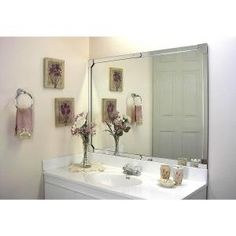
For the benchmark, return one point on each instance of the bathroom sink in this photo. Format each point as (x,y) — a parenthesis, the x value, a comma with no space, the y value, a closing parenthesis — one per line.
(113,180)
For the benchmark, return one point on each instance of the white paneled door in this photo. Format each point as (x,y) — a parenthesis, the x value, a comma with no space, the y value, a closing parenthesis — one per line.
(177,105)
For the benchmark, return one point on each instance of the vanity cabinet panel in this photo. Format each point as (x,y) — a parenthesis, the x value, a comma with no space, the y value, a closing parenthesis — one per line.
(57,192)
(57,188)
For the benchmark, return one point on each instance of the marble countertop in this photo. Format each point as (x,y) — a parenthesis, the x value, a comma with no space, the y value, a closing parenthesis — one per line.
(148,189)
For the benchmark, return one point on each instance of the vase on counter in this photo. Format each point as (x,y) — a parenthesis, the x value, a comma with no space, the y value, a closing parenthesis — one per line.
(85,163)
(85,130)
(116,152)
(117,126)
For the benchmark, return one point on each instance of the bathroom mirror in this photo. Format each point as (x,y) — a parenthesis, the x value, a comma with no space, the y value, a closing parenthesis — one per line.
(165,94)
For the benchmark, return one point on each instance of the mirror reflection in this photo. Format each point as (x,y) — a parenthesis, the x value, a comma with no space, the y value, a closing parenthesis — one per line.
(161,96)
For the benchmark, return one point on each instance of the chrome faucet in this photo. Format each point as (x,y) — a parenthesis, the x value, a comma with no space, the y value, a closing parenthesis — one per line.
(129,169)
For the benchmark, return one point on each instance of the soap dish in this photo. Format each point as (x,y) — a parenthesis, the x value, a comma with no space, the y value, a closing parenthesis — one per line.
(168,183)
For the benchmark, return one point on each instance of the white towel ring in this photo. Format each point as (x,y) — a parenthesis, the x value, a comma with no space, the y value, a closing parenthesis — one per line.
(19,92)
(134,95)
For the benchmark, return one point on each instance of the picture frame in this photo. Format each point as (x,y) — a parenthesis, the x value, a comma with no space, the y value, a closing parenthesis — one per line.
(54,73)
(64,112)
(116,79)
(109,105)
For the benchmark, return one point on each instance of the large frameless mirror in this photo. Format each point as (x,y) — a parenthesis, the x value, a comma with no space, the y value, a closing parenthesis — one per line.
(164,95)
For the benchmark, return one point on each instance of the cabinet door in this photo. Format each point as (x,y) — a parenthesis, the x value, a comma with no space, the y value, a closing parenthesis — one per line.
(56,192)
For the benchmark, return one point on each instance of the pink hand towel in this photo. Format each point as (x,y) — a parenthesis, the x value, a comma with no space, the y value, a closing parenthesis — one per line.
(24,122)
(138,114)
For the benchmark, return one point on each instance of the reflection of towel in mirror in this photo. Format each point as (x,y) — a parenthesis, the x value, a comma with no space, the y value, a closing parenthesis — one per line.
(24,122)
(137,116)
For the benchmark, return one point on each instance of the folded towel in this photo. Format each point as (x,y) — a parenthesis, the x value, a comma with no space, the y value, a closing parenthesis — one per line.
(24,122)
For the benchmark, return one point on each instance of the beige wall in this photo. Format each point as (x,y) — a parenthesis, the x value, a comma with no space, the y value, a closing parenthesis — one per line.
(222,97)
(21,61)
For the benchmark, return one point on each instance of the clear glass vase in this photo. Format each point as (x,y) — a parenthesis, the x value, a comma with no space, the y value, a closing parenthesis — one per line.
(116,152)
(85,163)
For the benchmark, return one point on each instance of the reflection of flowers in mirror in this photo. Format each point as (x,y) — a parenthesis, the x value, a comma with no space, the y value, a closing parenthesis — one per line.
(117,125)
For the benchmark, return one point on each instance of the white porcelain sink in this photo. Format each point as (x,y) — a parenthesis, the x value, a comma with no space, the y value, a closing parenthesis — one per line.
(113,180)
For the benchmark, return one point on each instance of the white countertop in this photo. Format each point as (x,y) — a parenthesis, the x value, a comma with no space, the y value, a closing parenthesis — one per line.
(148,189)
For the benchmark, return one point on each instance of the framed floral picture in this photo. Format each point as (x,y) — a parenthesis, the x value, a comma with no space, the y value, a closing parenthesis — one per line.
(108,107)
(64,111)
(54,70)
(116,79)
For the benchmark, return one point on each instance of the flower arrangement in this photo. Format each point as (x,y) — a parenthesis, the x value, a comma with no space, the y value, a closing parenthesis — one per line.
(117,126)
(84,129)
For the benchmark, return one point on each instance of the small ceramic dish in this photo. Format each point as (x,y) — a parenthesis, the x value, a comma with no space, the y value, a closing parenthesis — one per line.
(167,183)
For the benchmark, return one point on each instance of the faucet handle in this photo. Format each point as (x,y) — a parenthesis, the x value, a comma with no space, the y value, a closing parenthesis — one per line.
(138,168)
(126,166)
(132,170)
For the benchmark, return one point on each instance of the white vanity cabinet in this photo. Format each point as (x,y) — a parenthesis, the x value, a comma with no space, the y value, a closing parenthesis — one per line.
(53,191)
(57,188)
(60,183)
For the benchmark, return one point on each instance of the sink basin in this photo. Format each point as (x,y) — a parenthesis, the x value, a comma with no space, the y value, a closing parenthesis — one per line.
(113,180)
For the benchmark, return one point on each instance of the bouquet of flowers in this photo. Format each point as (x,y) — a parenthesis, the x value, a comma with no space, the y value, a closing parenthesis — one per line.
(117,126)
(84,129)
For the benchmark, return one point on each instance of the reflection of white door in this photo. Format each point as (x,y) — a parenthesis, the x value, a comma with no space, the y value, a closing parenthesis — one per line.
(177,105)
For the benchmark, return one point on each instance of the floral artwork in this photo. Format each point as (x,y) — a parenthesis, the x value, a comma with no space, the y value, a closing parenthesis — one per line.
(64,111)
(108,108)
(116,79)
(54,73)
